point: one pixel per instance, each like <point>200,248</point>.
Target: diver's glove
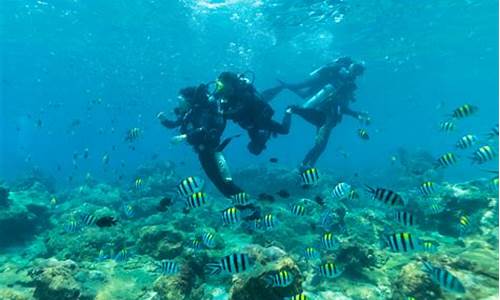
<point>364,118</point>
<point>178,139</point>
<point>161,116</point>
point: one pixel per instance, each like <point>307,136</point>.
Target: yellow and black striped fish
<point>298,209</point>
<point>427,188</point>
<point>280,279</point>
<point>465,110</point>
<point>386,196</point>
<point>363,134</point>
<point>328,241</point>
<point>463,224</point>
<point>493,134</point>
<point>446,160</point>
<point>231,216</point>
<point>300,296</point>
<point>132,134</point>
<point>447,126</point>
<point>402,242</point>
<point>404,218</point>
<point>190,185</point>
<point>241,198</point>
<point>329,270</point>
<point>483,154</point>
<point>310,176</point>
<point>196,200</point>
<point>466,141</point>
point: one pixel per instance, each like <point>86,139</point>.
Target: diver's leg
<point>271,93</point>
<point>215,166</point>
<point>313,116</point>
<point>283,127</point>
<point>320,143</point>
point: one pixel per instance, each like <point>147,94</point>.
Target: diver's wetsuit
<point>203,125</point>
<point>325,118</point>
<point>253,114</point>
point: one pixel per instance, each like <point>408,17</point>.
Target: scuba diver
<point>240,102</point>
<point>201,125</point>
<point>331,89</point>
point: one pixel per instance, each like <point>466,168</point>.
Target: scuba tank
<point>316,100</point>
<point>223,167</point>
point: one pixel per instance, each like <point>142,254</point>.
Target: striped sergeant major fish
<point>241,198</point>
<point>298,209</point>
<point>190,185</point>
<point>328,241</point>
<point>310,176</point>
<point>341,190</point>
<point>196,200</point>
<point>353,195</point>
<point>429,246</point>
<point>208,239</point>
<point>282,278</point>
<point>444,278</point>
<point>72,226</point>
<point>168,267</point>
<point>483,154</point>
<point>386,196</point>
<point>465,110</point>
<point>427,188</point>
<point>231,216</point>
<point>128,210</point>
<point>132,134</point>
<point>447,126</point>
<point>269,221</point>
<point>138,183</point>
<point>88,219</point>
<point>466,141</point>
<point>446,160</point>
<point>329,270</point>
<point>195,244</point>
<point>231,264</point>
<point>122,255</point>
<point>493,134</point>
<point>404,218</point>
<point>463,224</point>
<point>402,242</point>
<point>311,253</point>
<point>435,207</point>
<point>300,296</point>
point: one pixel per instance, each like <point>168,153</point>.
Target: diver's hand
<point>161,116</point>
<point>178,139</point>
<point>364,118</point>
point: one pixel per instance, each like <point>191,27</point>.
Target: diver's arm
<point>344,109</point>
<point>168,123</point>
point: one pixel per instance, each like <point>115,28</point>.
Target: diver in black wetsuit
<point>201,125</point>
<point>239,101</point>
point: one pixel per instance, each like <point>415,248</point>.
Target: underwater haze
<point>97,201</point>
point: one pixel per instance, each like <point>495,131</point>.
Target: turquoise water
<point>77,75</point>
